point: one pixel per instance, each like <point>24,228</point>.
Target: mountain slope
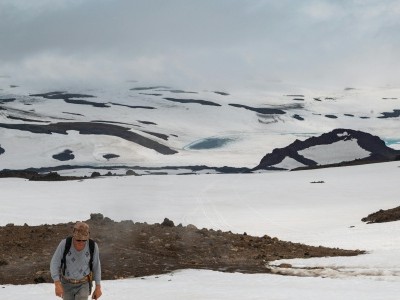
<point>340,146</point>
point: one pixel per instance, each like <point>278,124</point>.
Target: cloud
<point>226,42</point>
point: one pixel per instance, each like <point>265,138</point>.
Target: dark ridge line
<point>75,114</point>
<point>156,134</point>
<point>261,110</point>
<point>295,96</point>
<point>147,122</point>
<point>221,93</point>
<point>298,99</point>
<point>148,88</point>
<point>196,168</point>
<point>150,94</point>
<point>113,122</point>
<point>133,106</point>
<point>202,102</point>
<point>85,102</point>
<point>7,100</point>
<point>61,95</point>
<point>87,128</point>
<point>26,120</point>
<point>178,91</point>
<point>349,115</point>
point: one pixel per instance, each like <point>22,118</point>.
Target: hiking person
<point>75,264</point>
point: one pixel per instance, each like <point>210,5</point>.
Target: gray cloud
<point>205,43</point>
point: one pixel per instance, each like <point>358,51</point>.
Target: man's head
<point>81,231</point>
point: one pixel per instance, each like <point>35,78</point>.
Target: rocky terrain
<point>381,216</point>
<point>129,249</point>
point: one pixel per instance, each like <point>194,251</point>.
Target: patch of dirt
<point>382,216</point>
<point>129,249</point>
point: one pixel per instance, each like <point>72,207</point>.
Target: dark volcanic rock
<point>109,156</point>
<point>260,110</point>
<point>382,216</point>
<point>394,114</point>
<point>65,155</point>
<point>297,117</point>
<point>379,152</point>
<point>331,116</point>
<point>93,128</point>
<point>2,150</point>
<point>133,106</point>
<point>7,100</point>
<point>202,102</point>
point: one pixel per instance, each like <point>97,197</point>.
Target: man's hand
<point>59,289</point>
<point>97,292</point>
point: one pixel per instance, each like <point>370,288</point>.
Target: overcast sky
<point>201,43</point>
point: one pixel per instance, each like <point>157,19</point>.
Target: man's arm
<point>96,273</point>
<point>55,265</point>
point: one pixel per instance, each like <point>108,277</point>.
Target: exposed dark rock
<point>131,172</point>
<point>297,117</point>
<point>379,152</point>
<point>349,115</point>
<point>179,92</point>
<point>35,176</point>
<point>64,156</point>
<point>202,102</point>
<point>5,100</point>
<point>221,93</point>
<point>260,110</point>
<point>2,150</point>
<point>61,95</point>
<point>26,120</point>
<point>331,116</point>
<point>151,94</point>
<point>147,122</point>
<point>110,155</point>
<point>148,88</point>
<point>168,223</point>
<point>298,99</point>
<point>96,217</point>
<point>95,174</point>
<point>75,114</point>
<point>382,216</point>
<point>85,102</point>
<point>133,106</point>
<point>394,114</point>
<point>159,135</point>
<point>93,128</point>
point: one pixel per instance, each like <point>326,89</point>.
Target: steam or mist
<point>207,44</point>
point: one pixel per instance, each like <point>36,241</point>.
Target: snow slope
<point>285,204</point>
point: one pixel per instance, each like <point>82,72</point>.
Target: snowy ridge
<point>125,127</point>
<point>338,147</point>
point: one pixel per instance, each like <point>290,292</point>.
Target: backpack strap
<point>68,242</point>
<point>91,249</point>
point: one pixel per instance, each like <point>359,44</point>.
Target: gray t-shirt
<point>77,263</point>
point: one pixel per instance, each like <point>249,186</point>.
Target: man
<point>73,277</point>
